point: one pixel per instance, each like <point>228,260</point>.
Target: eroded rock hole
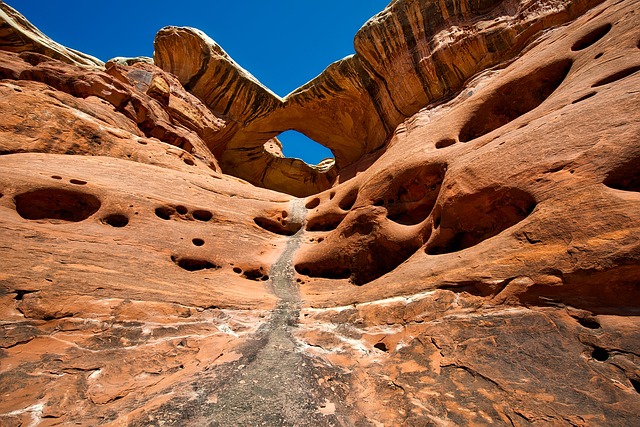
<point>237,270</point>
<point>588,322</point>
<point>625,177</point>
<point>116,220</point>
<point>194,264</point>
<point>600,354</point>
<point>21,293</point>
<point>416,192</point>
<point>381,346</point>
<point>197,242</point>
<point>202,215</point>
<point>164,212</point>
<point>78,182</point>
<point>582,98</point>
<point>514,99</point>
<point>327,222</point>
<point>635,384</point>
<point>591,37</point>
<point>57,204</point>
<point>255,274</point>
<point>277,227</point>
<point>347,202</point>
<point>472,219</point>
<point>188,161</point>
<point>617,76</point>
<point>331,273</point>
<point>447,142</point>
<point>313,203</point>
<point>56,177</point>
<point>181,210</point>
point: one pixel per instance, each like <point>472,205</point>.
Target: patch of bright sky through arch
<point>284,44</point>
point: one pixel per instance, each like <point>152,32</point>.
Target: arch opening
<point>299,146</point>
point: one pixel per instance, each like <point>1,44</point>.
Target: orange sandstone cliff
<point>470,257</point>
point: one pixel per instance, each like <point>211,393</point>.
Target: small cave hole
<point>447,142</point>
<point>77,182</point>
<point>197,242</point>
<point>589,322</point>
<point>598,55</point>
<point>336,273</point>
<point>21,293</point>
<point>313,203</point>
<point>600,354</point>
<point>379,202</point>
<point>164,212</point>
<point>305,271</point>
<point>285,214</point>
<point>349,200</point>
<point>617,76</point>
<point>635,384</point>
<point>381,346</point>
<point>416,191</point>
<point>56,177</point>
<point>188,161</point>
<point>480,216</point>
<point>202,215</point>
<point>625,177</point>
<point>582,98</point>
<point>58,204</point>
<point>181,210</point>
<point>332,195</point>
<point>276,227</point>
<point>194,264</point>
<point>327,222</point>
<point>116,220</point>
<point>254,274</point>
<point>237,270</point>
<point>591,37</point>
<point>514,99</point>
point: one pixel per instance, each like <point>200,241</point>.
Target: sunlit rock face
<point>471,257</point>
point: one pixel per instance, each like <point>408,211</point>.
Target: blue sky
<point>284,44</point>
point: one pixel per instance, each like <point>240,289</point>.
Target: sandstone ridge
<point>354,106</point>
<point>471,258</point>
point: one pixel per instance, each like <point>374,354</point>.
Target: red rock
<point>473,261</point>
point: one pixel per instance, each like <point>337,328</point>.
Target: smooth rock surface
<point>475,262</point>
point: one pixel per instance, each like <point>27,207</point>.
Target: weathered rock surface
<point>19,35</point>
<point>472,258</point>
<point>414,53</point>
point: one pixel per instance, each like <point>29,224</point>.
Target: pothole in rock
<point>625,177</point>
<point>56,204</point>
<point>116,220</point>
<point>414,193</point>
<point>364,248</point>
<point>514,99</point>
<point>278,225</point>
<point>617,76</point>
<point>591,37</point>
<point>469,220</point>
<point>194,264</point>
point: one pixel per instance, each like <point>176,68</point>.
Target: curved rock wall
<point>413,54</point>
<point>481,268</point>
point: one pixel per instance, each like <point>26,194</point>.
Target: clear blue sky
<point>283,43</point>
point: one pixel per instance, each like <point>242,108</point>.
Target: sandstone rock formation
<point>471,258</point>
